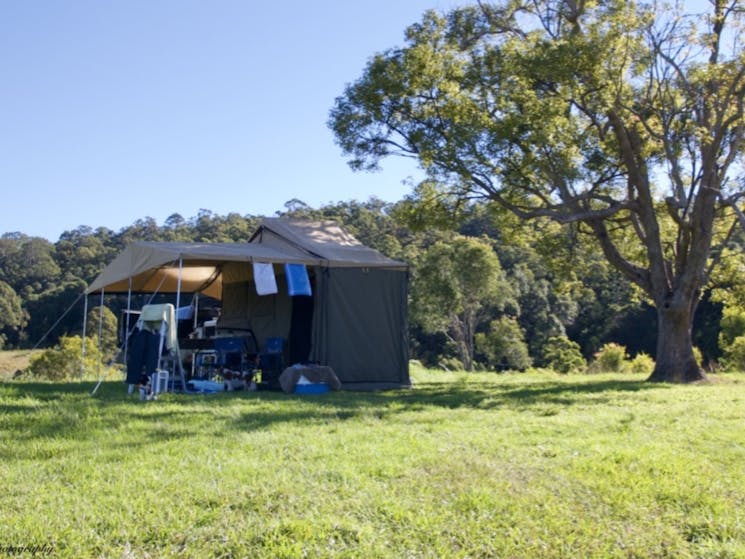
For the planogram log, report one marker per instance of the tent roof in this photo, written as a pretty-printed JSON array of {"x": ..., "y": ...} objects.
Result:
[
  {"x": 321, "y": 239},
  {"x": 147, "y": 267}
]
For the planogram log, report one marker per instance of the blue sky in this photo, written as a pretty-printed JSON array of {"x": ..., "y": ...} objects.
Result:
[{"x": 114, "y": 111}]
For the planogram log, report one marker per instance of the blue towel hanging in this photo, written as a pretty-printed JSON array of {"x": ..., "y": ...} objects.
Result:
[{"x": 298, "y": 282}]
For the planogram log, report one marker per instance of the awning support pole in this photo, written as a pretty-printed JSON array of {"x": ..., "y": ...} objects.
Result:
[
  {"x": 126, "y": 321},
  {"x": 194, "y": 326},
  {"x": 178, "y": 284},
  {"x": 178, "y": 303},
  {"x": 82, "y": 344},
  {"x": 100, "y": 333}
]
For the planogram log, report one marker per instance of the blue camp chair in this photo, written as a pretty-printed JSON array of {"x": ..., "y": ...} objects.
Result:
[
  {"x": 237, "y": 353},
  {"x": 231, "y": 353}
]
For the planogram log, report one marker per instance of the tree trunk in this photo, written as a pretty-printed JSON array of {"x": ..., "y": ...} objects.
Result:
[{"x": 675, "y": 361}]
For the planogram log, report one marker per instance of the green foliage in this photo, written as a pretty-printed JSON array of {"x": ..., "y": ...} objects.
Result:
[
  {"x": 82, "y": 252},
  {"x": 503, "y": 345},
  {"x": 732, "y": 326},
  {"x": 450, "y": 364},
  {"x": 28, "y": 264},
  {"x": 734, "y": 355},
  {"x": 456, "y": 285},
  {"x": 563, "y": 355},
  {"x": 611, "y": 358},
  {"x": 539, "y": 313},
  {"x": 557, "y": 283},
  {"x": 641, "y": 364},
  {"x": 12, "y": 315},
  {"x": 103, "y": 329},
  {"x": 65, "y": 361},
  {"x": 429, "y": 207},
  {"x": 729, "y": 289},
  {"x": 61, "y": 305},
  {"x": 572, "y": 113}
]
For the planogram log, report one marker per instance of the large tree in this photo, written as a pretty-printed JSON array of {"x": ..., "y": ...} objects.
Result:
[{"x": 623, "y": 118}]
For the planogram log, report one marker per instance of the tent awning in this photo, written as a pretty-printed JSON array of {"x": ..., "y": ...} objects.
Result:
[{"x": 147, "y": 267}]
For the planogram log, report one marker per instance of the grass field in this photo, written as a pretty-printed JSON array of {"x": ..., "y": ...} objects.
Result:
[{"x": 482, "y": 465}]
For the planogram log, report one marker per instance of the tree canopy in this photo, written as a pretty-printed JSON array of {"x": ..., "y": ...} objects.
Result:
[
  {"x": 623, "y": 118},
  {"x": 457, "y": 285}
]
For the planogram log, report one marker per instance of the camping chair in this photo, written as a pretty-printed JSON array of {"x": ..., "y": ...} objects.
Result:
[
  {"x": 236, "y": 359},
  {"x": 206, "y": 364},
  {"x": 271, "y": 361},
  {"x": 161, "y": 319}
]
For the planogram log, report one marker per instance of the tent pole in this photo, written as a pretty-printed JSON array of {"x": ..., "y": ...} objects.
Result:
[
  {"x": 178, "y": 302},
  {"x": 100, "y": 344},
  {"x": 100, "y": 331},
  {"x": 178, "y": 284},
  {"x": 126, "y": 329},
  {"x": 196, "y": 311},
  {"x": 194, "y": 326},
  {"x": 82, "y": 343}
]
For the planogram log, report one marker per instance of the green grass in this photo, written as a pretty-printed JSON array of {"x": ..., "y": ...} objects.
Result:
[{"x": 483, "y": 465}]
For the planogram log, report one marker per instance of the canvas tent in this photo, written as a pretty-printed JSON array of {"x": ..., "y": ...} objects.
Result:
[{"x": 354, "y": 320}]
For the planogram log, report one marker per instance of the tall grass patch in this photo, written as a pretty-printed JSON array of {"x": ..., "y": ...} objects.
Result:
[{"x": 462, "y": 465}]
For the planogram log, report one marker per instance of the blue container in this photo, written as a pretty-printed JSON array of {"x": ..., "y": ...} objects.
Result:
[
  {"x": 315, "y": 388},
  {"x": 298, "y": 281}
]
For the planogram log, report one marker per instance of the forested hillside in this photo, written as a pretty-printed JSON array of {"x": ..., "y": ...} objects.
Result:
[{"x": 487, "y": 290}]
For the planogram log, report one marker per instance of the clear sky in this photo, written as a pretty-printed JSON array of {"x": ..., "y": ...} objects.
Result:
[{"x": 112, "y": 111}]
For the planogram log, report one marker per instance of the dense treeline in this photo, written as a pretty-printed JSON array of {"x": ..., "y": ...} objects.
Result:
[{"x": 487, "y": 290}]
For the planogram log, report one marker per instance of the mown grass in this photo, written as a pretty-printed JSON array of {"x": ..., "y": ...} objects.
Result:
[{"x": 481, "y": 465}]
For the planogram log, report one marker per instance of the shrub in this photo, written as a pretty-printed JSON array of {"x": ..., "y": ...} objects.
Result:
[
  {"x": 734, "y": 355},
  {"x": 451, "y": 364},
  {"x": 63, "y": 361},
  {"x": 503, "y": 345},
  {"x": 732, "y": 327},
  {"x": 611, "y": 358},
  {"x": 563, "y": 355},
  {"x": 642, "y": 364},
  {"x": 106, "y": 320}
]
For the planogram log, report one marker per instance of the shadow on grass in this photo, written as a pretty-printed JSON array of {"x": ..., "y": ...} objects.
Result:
[
  {"x": 67, "y": 410},
  {"x": 488, "y": 395}
]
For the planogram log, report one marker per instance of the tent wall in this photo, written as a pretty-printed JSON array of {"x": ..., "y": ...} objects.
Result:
[
  {"x": 360, "y": 326},
  {"x": 267, "y": 315},
  {"x": 270, "y": 314}
]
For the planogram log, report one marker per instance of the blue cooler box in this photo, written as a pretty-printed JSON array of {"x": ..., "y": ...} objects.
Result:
[{"x": 314, "y": 388}]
